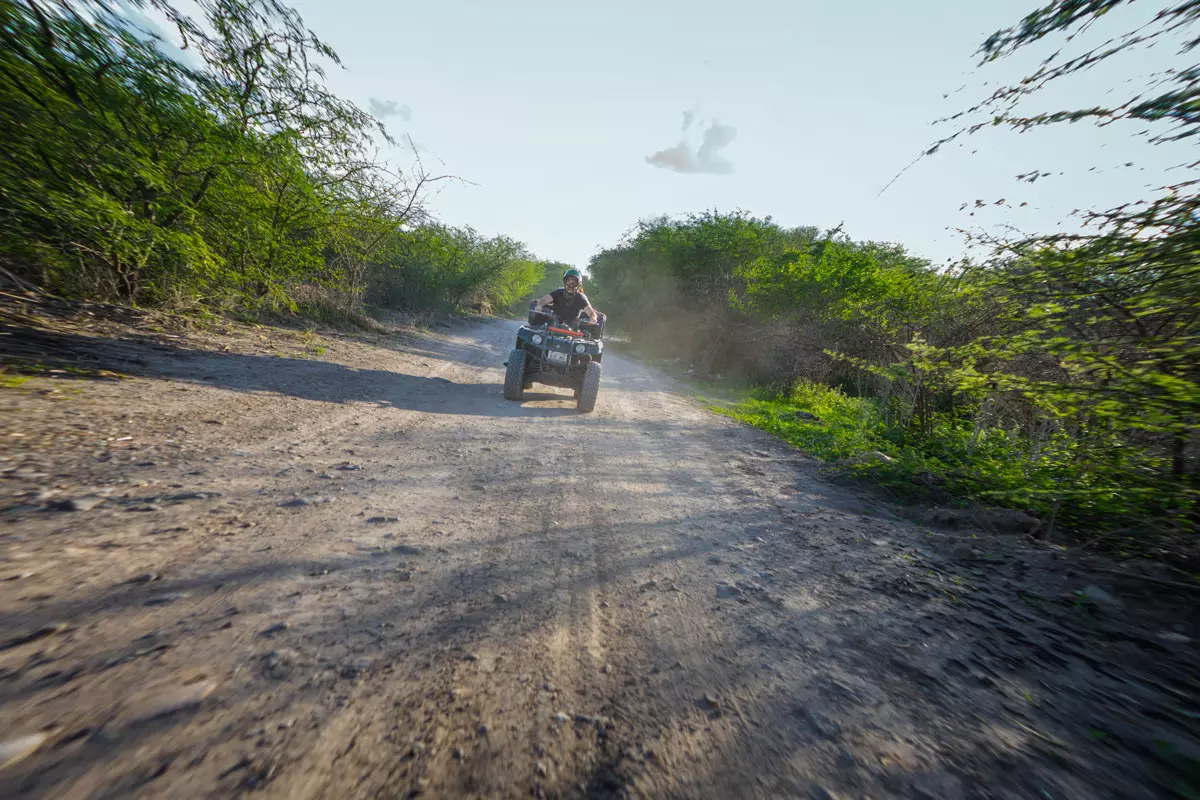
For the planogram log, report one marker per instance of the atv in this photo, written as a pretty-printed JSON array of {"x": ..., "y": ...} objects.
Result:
[{"x": 556, "y": 352}]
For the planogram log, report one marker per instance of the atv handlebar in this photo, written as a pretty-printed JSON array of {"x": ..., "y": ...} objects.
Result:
[{"x": 593, "y": 329}]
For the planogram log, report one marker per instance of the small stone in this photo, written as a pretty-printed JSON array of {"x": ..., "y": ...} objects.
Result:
[
  {"x": 606, "y": 669},
  {"x": 296, "y": 502},
  {"x": 145, "y": 577},
  {"x": 648, "y": 585},
  {"x": 406, "y": 550},
  {"x": 1101, "y": 598},
  {"x": 165, "y": 599},
  {"x": 169, "y": 701},
  {"x": 355, "y": 668},
  {"x": 13, "y": 750},
  {"x": 34, "y": 635},
  {"x": 483, "y": 729},
  {"x": 725, "y": 590},
  {"x": 278, "y": 627},
  {"x": 589, "y": 719},
  {"x": 382, "y": 520},
  {"x": 456, "y": 754},
  {"x": 279, "y": 664},
  {"x": 180, "y": 497},
  {"x": 500, "y": 598},
  {"x": 562, "y": 718},
  {"x": 85, "y": 503},
  {"x": 710, "y": 705},
  {"x": 542, "y": 769}
]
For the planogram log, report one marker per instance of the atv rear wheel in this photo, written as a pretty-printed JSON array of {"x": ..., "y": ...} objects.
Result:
[
  {"x": 514, "y": 378},
  {"x": 590, "y": 388}
]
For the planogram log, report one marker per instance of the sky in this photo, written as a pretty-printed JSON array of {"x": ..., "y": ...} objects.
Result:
[{"x": 568, "y": 121}]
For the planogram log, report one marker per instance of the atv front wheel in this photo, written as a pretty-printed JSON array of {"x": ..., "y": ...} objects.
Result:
[
  {"x": 514, "y": 378},
  {"x": 589, "y": 388}
]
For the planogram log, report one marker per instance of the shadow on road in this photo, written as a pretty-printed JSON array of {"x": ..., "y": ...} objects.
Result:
[{"x": 305, "y": 379}]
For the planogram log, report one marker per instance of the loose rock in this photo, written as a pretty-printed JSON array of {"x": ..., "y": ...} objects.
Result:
[
  {"x": 279, "y": 664},
  {"x": 168, "y": 701},
  {"x": 34, "y": 635},
  {"x": 278, "y": 627},
  {"x": 13, "y": 750},
  {"x": 165, "y": 599},
  {"x": 85, "y": 503},
  {"x": 296, "y": 502},
  {"x": 1100, "y": 597}
]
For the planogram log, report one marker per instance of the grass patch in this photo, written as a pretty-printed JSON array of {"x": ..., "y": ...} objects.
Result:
[
  {"x": 1122, "y": 504},
  {"x": 818, "y": 419},
  {"x": 13, "y": 381}
]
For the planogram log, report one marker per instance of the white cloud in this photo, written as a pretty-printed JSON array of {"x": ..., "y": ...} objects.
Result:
[
  {"x": 382, "y": 109},
  {"x": 707, "y": 158}
]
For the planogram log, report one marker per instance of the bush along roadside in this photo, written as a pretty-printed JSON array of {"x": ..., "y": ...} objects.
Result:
[{"x": 958, "y": 463}]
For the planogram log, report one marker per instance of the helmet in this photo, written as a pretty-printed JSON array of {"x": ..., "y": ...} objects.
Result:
[{"x": 577, "y": 275}]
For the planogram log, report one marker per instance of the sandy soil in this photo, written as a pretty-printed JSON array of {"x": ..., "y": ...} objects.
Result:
[{"x": 345, "y": 567}]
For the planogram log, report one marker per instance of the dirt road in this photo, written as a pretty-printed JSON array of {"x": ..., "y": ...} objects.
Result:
[{"x": 364, "y": 574}]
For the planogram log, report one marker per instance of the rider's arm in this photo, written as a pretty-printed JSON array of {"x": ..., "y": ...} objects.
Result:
[
  {"x": 589, "y": 312},
  {"x": 545, "y": 301}
]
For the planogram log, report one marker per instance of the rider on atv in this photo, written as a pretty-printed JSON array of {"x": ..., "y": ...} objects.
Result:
[{"x": 568, "y": 303}]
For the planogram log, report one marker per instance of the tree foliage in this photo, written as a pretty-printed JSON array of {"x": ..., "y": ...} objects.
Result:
[
  {"x": 234, "y": 175},
  {"x": 1100, "y": 328}
]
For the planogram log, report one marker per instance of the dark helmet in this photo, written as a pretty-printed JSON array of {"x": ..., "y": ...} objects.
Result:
[{"x": 573, "y": 273}]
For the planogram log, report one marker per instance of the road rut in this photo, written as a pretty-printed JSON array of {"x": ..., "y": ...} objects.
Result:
[{"x": 370, "y": 576}]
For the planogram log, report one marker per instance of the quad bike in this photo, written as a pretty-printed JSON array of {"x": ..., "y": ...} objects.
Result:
[{"x": 556, "y": 352}]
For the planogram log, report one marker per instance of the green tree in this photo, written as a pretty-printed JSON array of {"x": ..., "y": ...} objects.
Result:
[
  {"x": 131, "y": 176},
  {"x": 1107, "y": 319}
]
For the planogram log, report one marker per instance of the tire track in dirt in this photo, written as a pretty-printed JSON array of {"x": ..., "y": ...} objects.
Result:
[{"x": 709, "y": 618}]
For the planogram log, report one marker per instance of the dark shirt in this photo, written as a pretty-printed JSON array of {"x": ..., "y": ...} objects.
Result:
[{"x": 567, "y": 307}]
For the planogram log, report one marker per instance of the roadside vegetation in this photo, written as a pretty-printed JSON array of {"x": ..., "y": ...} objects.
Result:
[
  {"x": 223, "y": 176},
  {"x": 1060, "y": 375}
]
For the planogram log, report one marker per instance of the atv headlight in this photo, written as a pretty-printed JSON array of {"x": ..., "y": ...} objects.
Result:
[
  {"x": 536, "y": 338},
  {"x": 579, "y": 348}
]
